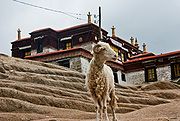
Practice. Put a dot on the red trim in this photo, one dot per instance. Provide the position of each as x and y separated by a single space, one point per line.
55 52
83 53
154 57
142 55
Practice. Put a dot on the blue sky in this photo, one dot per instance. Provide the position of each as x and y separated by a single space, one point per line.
154 22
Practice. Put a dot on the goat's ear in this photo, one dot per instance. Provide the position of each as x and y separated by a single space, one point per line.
97 48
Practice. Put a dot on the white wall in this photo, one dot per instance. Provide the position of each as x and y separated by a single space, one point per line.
163 73
87 46
79 64
136 78
75 63
84 65
48 49
45 50
119 73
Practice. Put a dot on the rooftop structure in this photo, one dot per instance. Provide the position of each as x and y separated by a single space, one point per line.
71 47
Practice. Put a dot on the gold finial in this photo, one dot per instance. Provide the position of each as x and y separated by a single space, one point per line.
19 34
89 17
136 43
132 40
113 31
144 48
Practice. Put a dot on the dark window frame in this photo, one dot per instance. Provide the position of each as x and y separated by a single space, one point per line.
123 77
68 45
115 77
64 62
39 45
151 70
175 75
62 45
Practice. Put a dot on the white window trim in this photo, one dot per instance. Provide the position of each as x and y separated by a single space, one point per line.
25 47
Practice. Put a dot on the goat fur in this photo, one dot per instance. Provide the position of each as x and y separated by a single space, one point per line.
100 80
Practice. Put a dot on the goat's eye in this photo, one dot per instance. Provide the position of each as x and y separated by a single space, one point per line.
104 49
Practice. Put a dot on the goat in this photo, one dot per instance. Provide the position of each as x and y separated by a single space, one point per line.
100 80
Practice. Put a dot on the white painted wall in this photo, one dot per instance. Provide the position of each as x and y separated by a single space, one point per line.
49 49
87 46
163 73
138 77
33 52
135 78
45 50
119 73
75 63
84 65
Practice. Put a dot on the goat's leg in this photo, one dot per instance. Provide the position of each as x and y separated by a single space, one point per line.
97 109
97 113
100 111
113 104
105 109
114 114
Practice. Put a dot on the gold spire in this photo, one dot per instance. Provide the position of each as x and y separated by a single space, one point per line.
144 48
132 40
113 31
89 17
19 34
136 43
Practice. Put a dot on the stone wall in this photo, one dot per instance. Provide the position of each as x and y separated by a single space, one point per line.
84 65
138 77
119 76
79 64
75 63
135 77
163 73
87 46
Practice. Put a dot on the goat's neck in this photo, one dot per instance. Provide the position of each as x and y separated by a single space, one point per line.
99 63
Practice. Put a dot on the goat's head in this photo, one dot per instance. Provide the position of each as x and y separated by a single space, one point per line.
103 51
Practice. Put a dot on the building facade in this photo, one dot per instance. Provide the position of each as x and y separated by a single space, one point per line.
71 47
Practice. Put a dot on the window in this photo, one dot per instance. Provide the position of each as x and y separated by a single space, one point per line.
68 45
39 46
123 77
115 77
175 70
123 57
150 74
129 55
28 53
64 63
115 49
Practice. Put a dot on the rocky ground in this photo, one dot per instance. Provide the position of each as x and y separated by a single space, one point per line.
36 91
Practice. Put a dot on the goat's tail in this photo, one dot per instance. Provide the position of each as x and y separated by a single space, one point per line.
113 100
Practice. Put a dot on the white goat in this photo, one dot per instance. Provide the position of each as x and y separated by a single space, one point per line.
100 80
